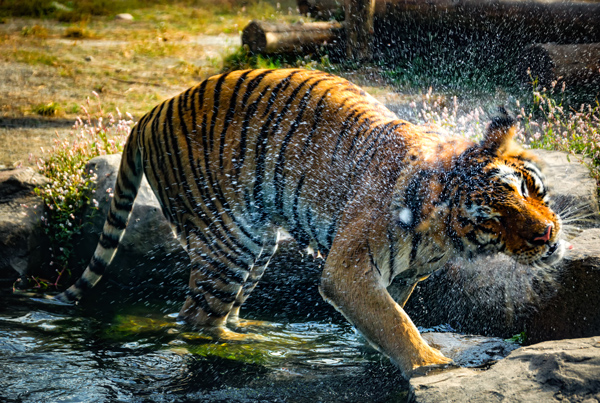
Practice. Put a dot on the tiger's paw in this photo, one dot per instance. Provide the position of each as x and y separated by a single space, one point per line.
224 334
244 323
432 369
433 362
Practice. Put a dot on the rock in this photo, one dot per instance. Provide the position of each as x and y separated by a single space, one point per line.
470 351
124 17
89 58
574 310
574 191
21 247
497 297
563 370
15 183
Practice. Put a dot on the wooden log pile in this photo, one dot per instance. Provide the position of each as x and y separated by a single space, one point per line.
553 38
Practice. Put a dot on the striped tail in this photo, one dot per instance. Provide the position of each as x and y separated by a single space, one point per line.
128 182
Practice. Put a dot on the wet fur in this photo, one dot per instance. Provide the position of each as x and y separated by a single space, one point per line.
245 153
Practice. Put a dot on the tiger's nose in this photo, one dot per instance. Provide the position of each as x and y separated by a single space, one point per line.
545 237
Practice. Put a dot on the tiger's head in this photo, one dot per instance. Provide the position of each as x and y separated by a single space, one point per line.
480 198
502 201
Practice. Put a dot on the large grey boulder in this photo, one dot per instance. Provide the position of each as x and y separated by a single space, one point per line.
22 246
554 371
468 350
496 297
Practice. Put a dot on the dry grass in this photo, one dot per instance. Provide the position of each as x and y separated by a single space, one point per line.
59 59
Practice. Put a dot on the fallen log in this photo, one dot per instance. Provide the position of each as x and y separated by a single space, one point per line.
269 37
574 64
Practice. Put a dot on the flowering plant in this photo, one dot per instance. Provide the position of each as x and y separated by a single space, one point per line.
70 188
575 130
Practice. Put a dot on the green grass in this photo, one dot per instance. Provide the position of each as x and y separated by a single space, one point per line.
182 14
33 57
69 11
242 58
35 31
49 109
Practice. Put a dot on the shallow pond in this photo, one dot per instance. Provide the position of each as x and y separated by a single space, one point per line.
140 354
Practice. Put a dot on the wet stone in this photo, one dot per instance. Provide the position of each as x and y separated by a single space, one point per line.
562 370
468 350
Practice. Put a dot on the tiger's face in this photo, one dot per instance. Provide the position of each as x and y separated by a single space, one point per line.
503 202
506 209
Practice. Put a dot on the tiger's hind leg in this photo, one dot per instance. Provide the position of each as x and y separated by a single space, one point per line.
212 294
256 272
216 279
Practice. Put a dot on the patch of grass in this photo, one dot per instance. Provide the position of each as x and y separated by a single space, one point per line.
69 11
74 109
184 67
49 109
520 338
35 31
242 59
79 32
35 58
157 48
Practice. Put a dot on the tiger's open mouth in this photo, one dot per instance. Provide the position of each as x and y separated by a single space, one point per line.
555 253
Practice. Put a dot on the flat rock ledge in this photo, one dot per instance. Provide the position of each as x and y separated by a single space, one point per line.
553 371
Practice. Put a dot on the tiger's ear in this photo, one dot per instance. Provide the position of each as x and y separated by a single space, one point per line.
499 133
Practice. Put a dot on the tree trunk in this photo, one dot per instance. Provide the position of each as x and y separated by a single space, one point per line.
574 64
359 29
269 38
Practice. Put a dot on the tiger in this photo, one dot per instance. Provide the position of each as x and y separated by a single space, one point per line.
244 154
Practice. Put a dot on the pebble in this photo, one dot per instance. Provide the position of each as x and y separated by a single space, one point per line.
124 17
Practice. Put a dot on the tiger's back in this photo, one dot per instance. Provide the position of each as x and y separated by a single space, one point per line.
250 149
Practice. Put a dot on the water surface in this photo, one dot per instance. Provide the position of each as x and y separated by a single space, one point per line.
138 353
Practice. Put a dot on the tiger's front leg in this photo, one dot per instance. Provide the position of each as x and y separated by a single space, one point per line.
351 283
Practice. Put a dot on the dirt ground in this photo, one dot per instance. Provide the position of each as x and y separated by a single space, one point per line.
48 69
46 77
